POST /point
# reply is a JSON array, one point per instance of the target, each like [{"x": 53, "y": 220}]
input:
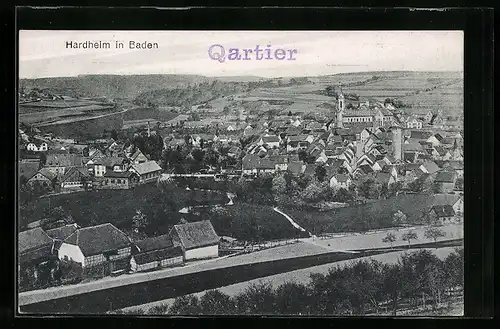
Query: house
[
  {"x": 138, "y": 157},
  {"x": 392, "y": 170},
  {"x": 385, "y": 179},
  {"x": 457, "y": 166},
  {"x": 296, "y": 167},
  {"x": 101, "y": 250},
  {"x": 198, "y": 240},
  {"x": 445, "y": 181},
  {"x": 443, "y": 214},
  {"x": 43, "y": 177},
  {"x": 414, "y": 123},
  {"x": 429, "y": 167},
  {"x": 249, "y": 164},
  {"x": 420, "y": 135},
  {"x": 28, "y": 168},
  {"x": 362, "y": 171},
  {"x": 35, "y": 248},
  {"x": 37, "y": 146},
  {"x": 379, "y": 165},
  {"x": 113, "y": 180},
  {"x": 58, "y": 163},
  {"x": 270, "y": 141},
  {"x": 340, "y": 181},
  {"x": 63, "y": 232},
  {"x": 147, "y": 171},
  {"x": 435, "y": 140},
  {"x": 76, "y": 178},
  {"x": 456, "y": 201},
  {"x": 155, "y": 253}
]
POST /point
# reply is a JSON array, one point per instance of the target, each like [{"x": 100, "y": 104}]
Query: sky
[{"x": 44, "y": 53}]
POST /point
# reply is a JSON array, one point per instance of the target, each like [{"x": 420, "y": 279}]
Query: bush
[{"x": 358, "y": 288}]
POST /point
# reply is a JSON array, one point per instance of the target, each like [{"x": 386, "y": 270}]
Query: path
[{"x": 297, "y": 226}]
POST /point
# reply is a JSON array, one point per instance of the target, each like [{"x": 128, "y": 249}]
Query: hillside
[{"x": 113, "y": 86}]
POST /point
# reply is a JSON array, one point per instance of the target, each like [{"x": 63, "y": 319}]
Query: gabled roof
[
  {"x": 419, "y": 134},
  {"x": 63, "y": 160},
  {"x": 449, "y": 199},
  {"x": 118, "y": 174},
  {"x": 81, "y": 170},
  {"x": 156, "y": 243},
  {"x": 63, "y": 232},
  {"x": 196, "y": 235},
  {"x": 443, "y": 210},
  {"x": 430, "y": 166},
  {"x": 28, "y": 168},
  {"x": 342, "y": 178},
  {"x": 98, "y": 239},
  {"x": 382, "y": 177},
  {"x": 157, "y": 255},
  {"x": 310, "y": 169},
  {"x": 445, "y": 177},
  {"x": 33, "y": 239},
  {"x": 47, "y": 174},
  {"x": 111, "y": 161},
  {"x": 270, "y": 139},
  {"x": 457, "y": 165},
  {"x": 136, "y": 154},
  {"x": 146, "y": 167},
  {"x": 366, "y": 169},
  {"x": 295, "y": 167},
  {"x": 381, "y": 163}
]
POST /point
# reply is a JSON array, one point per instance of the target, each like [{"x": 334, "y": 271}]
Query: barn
[
  {"x": 198, "y": 240},
  {"x": 155, "y": 253}
]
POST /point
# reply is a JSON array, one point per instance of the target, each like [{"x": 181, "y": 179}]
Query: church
[{"x": 375, "y": 115}]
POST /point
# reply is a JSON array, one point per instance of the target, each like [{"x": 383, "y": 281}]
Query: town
[{"x": 225, "y": 180}]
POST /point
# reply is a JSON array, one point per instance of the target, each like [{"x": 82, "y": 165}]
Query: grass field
[
  {"x": 299, "y": 276},
  {"x": 368, "y": 216},
  {"x": 119, "y": 206}
]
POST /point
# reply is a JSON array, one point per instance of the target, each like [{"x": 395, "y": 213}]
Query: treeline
[{"x": 418, "y": 280}]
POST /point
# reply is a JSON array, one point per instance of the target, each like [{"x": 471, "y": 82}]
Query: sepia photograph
[{"x": 278, "y": 173}]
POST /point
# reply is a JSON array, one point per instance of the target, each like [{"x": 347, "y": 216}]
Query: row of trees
[
  {"x": 433, "y": 233},
  {"x": 418, "y": 279}
]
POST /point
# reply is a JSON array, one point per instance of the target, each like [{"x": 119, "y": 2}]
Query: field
[
  {"x": 368, "y": 216},
  {"x": 298, "y": 276},
  {"x": 119, "y": 206},
  {"x": 429, "y": 90},
  {"x": 247, "y": 222}
]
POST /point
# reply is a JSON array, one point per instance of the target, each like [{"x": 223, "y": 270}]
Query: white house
[
  {"x": 37, "y": 147},
  {"x": 341, "y": 181},
  {"x": 102, "y": 245},
  {"x": 198, "y": 240}
]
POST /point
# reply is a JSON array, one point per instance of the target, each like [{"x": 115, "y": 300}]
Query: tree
[
  {"x": 398, "y": 218},
  {"x": 217, "y": 303},
  {"x": 139, "y": 221},
  {"x": 320, "y": 173},
  {"x": 279, "y": 188},
  {"x": 408, "y": 236},
  {"x": 389, "y": 238},
  {"x": 343, "y": 195},
  {"x": 434, "y": 233},
  {"x": 185, "y": 305},
  {"x": 290, "y": 113},
  {"x": 55, "y": 218},
  {"x": 370, "y": 188},
  {"x": 293, "y": 298},
  {"x": 256, "y": 299}
]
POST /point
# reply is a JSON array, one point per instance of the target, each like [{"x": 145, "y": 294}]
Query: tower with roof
[{"x": 340, "y": 108}]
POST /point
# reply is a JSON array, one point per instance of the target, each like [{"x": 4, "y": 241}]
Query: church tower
[{"x": 340, "y": 109}]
